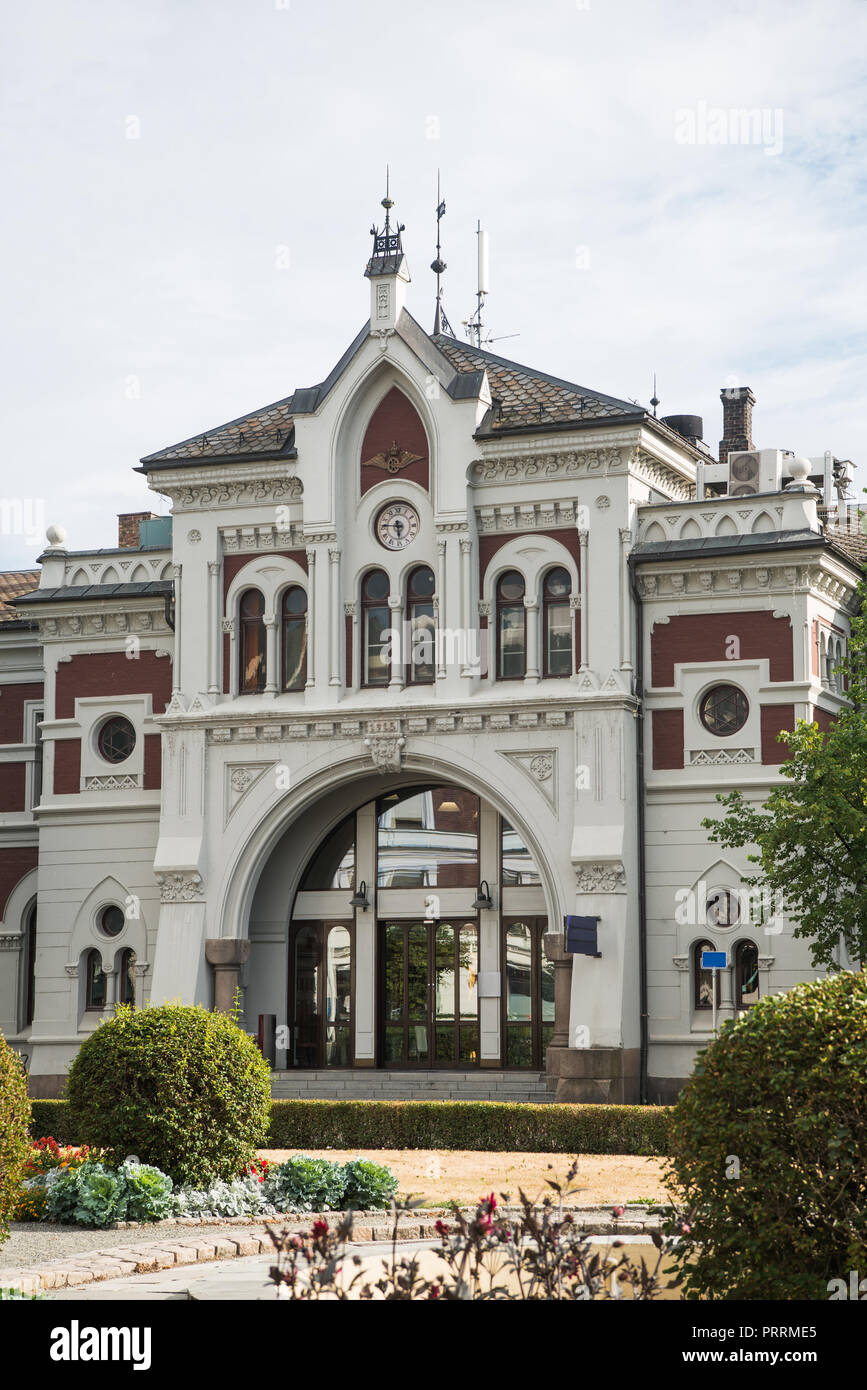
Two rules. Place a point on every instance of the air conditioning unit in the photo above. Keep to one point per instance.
(755, 470)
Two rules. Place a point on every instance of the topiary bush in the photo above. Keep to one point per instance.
(179, 1087)
(769, 1148)
(14, 1144)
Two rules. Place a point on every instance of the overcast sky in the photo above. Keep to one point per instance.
(159, 159)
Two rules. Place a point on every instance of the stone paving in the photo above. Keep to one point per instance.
(115, 1261)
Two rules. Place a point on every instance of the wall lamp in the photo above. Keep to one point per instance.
(483, 897)
(359, 897)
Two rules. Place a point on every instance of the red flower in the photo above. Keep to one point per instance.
(617, 1211)
(320, 1228)
(441, 1228)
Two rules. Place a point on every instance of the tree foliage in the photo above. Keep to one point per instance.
(811, 832)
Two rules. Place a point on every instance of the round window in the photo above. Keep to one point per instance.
(116, 740)
(111, 921)
(723, 908)
(724, 710)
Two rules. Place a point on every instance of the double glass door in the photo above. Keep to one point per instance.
(429, 992)
(321, 989)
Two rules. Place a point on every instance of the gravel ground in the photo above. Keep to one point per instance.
(34, 1242)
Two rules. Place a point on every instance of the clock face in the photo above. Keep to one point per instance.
(397, 526)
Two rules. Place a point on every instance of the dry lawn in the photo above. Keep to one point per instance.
(444, 1175)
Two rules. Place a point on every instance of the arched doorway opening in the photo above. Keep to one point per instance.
(414, 940)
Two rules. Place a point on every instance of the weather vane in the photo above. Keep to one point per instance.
(441, 323)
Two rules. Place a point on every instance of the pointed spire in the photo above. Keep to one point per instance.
(438, 265)
(386, 243)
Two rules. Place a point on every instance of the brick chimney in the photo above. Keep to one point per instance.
(127, 528)
(737, 404)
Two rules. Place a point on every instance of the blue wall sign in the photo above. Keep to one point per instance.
(581, 936)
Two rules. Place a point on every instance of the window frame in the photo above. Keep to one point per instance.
(245, 623)
(296, 620)
(706, 695)
(411, 604)
(501, 606)
(550, 602)
(94, 958)
(367, 606)
(740, 948)
(697, 972)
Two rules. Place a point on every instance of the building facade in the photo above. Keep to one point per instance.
(426, 658)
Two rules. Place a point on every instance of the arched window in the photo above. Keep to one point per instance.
(703, 980)
(746, 974)
(126, 978)
(252, 647)
(557, 623)
(421, 628)
(95, 993)
(511, 627)
(294, 638)
(377, 621)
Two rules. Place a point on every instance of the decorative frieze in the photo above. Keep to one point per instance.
(239, 492)
(520, 517)
(183, 887)
(128, 782)
(704, 757)
(572, 463)
(307, 730)
(600, 878)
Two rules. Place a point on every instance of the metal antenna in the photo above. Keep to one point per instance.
(654, 400)
(441, 323)
(474, 325)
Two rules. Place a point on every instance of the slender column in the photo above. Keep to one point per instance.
(466, 598)
(214, 626)
(176, 658)
(350, 610)
(110, 990)
(228, 629)
(575, 606)
(625, 624)
(440, 615)
(585, 602)
(334, 615)
(531, 609)
(271, 682)
(311, 619)
(726, 1000)
(398, 656)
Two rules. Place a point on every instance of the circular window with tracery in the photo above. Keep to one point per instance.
(724, 710)
(112, 920)
(116, 739)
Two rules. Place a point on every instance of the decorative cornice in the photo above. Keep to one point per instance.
(189, 495)
(539, 516)
(305, 730)
(11, 941)
(572, 463)
(258, 538)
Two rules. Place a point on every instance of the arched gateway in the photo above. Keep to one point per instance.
(402, 933)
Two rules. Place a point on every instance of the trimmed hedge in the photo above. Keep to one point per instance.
(436, 1124)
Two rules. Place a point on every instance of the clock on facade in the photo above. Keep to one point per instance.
(397, 525)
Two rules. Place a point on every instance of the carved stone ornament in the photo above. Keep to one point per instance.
(385, 744)
(600, 878)
(542, 766)
(184, 887)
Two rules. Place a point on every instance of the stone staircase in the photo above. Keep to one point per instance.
(368, 1084)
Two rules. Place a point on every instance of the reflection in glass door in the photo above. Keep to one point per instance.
(528, 993)
(429, 993)
(321, 990)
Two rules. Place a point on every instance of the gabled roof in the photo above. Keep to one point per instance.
(525, 397)
(13, 583)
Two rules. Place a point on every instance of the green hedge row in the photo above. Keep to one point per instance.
(437, 1124)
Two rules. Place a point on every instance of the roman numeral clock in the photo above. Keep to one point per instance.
(397, 525)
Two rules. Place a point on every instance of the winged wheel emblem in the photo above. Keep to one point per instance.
(392, 460)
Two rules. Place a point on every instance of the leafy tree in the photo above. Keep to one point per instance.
(811, 832)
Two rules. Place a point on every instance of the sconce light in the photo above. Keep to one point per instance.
(359, 897)
(483, 897)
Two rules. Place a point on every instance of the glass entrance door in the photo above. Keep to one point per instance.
(429, 993)
(527, 993)
(321, 991)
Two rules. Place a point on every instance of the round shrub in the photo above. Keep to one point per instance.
(769, 1148)
(179, 1087)
(14, 1144)
(369, 1186)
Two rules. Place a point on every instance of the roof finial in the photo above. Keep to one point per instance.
(441, 323)
(387, 242)
(654, 400)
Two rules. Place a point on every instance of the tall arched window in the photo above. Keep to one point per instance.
(377, 621)
(126, 978)
(95, 992)
(421, 628)
(294, 638)
(746, 974)
(252, 646)
(511, 627)
(557, 623)
(703, 980)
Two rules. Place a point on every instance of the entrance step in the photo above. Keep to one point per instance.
(368, 1084)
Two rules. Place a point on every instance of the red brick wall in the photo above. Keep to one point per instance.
(667, 737)
(15, 862)
(128, 528)
(12, 699)
(153, 764)
(489, 545)
(824, 718)
(13, 783)
(67, 766)
(113, 673)
(395, 421)
(233, 564)
(774, 719)
(703, 637)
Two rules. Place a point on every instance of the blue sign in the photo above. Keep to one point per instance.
(714, 960)
(581, 936)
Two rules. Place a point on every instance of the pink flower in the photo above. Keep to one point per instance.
(617, 1211)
